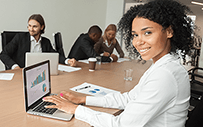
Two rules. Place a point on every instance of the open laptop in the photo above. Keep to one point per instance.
(33, 58)
(37, 85)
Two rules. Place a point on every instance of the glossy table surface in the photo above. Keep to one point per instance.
(109, 75)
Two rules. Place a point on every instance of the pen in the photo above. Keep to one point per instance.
(82, 88)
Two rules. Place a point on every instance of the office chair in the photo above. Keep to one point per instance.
(6, 37)
(196, 81)
(195, 119)
(195, 53)
(58, 43)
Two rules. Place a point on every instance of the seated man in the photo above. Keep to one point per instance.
(83, 48)
(13, 54)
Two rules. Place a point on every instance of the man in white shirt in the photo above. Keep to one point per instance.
(13, 54)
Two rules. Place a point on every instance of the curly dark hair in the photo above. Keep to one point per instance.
(166, 13)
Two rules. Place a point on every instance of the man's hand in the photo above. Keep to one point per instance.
(72, 62)
(17, 67)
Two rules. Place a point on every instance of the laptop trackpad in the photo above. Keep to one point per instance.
(64, 115)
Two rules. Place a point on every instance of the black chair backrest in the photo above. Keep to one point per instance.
(7, 36)
(196, 80)
(59, 43)
(196, 117)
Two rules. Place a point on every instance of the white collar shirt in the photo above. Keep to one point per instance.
(107, 44)
(35, 46)
(160, 99)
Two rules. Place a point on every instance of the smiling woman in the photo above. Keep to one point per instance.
(171, 17)
(150, 39)
(161, 98)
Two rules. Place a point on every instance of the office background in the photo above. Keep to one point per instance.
(71, 17)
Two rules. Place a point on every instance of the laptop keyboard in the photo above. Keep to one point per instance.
(42, 109)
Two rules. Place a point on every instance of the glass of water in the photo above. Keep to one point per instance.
(128, 74)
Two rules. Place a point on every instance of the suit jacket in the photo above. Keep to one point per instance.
(14, 52)
(101, 47)
(83, 48)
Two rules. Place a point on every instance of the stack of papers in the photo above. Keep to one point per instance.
(6, 76)
(84, 61)
(122, 60)
(91, 89)
(67, 68)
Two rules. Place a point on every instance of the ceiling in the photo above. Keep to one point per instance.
(196, 9)
(193, 6)
(186, 2)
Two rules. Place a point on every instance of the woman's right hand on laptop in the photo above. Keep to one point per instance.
(72, 97)
(61, 104)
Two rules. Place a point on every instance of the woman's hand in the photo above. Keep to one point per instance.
(114, 41)
(73, 97)
(61, 104)
(106, 54)
(115, 58)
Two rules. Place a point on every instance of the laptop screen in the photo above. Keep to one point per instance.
(36, 82)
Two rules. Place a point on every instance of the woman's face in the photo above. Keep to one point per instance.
(110, 35)
(150, 40)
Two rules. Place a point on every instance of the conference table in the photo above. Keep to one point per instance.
(108, 75)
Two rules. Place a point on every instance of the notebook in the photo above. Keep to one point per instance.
(33, 58)
(37, 85)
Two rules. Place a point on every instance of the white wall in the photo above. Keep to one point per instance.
(114, 11)
(70, 17)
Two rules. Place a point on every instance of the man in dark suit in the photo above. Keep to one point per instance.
(83, 48)
(13, 54)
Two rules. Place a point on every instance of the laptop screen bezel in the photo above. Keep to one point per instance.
(25, 84)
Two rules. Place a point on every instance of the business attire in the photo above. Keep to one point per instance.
(83, 48)
(14, 52)
(160, 99)
(102, 46)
